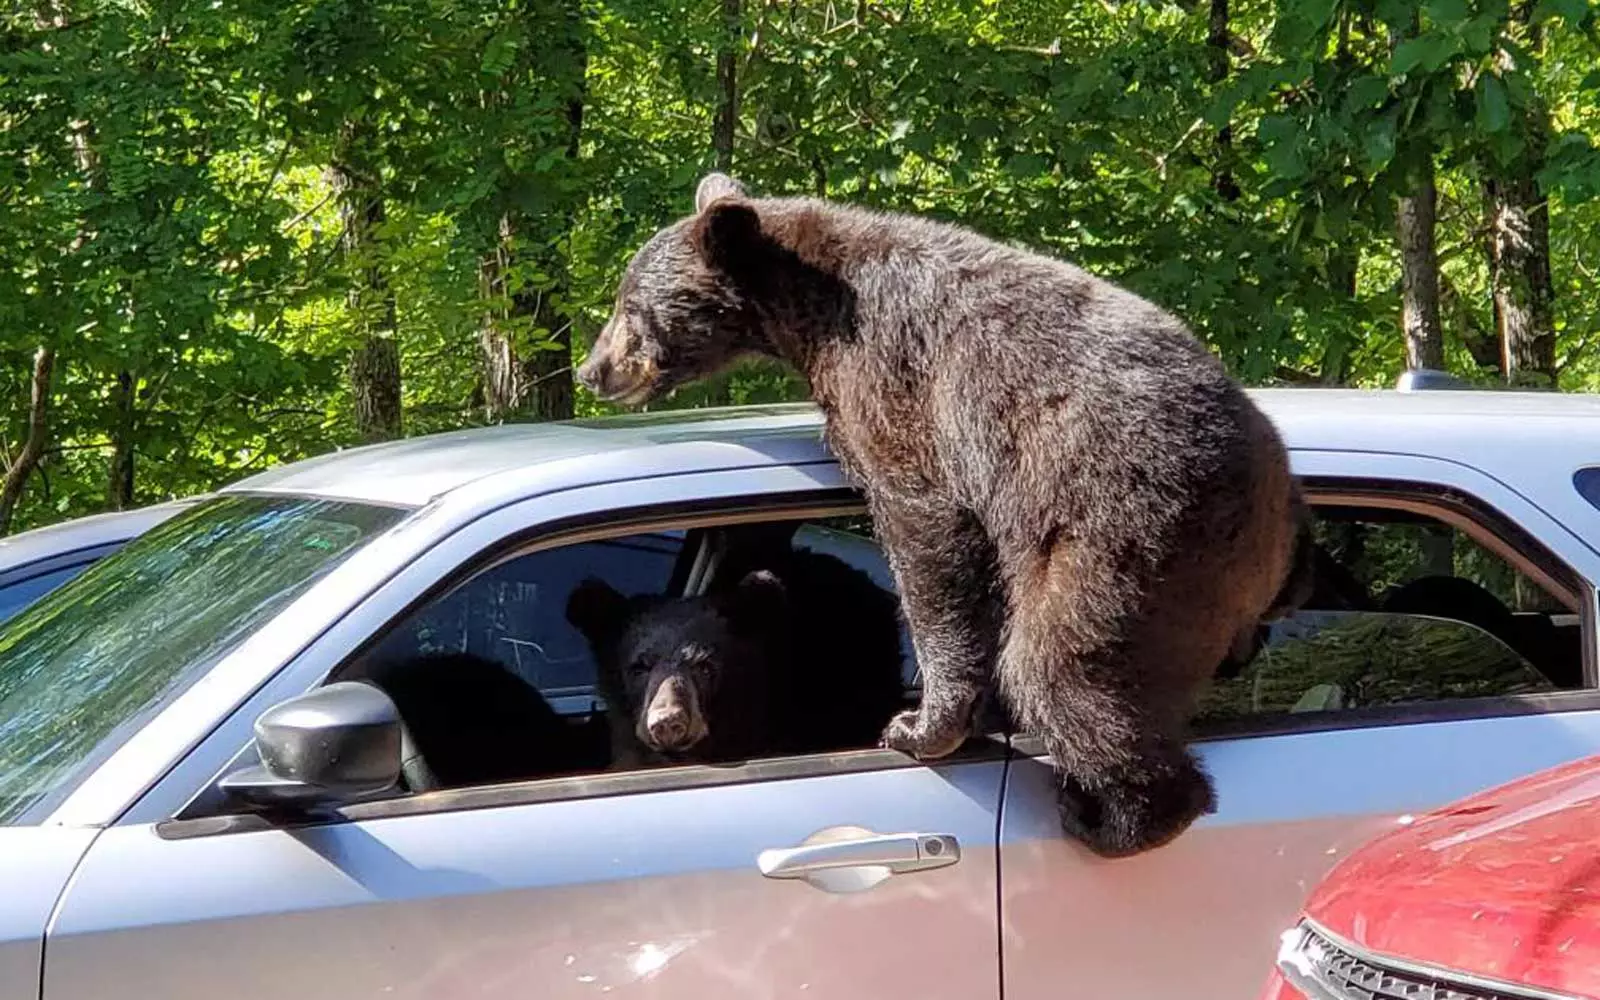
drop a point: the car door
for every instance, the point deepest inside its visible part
(1437, 706)
(635, 883)
(35, 864)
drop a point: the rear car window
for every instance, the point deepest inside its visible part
(1588, 483)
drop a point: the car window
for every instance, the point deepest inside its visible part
(853, 540)
(16, 596)
(1587, 482)
(515, 613)
(1406, 609)
(1327, 661)
(91, 661)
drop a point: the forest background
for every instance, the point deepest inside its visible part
(239, 232)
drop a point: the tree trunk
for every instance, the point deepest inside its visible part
(1519, 265)
(28, 459)
(548, 373)
(375, 362)
(727, 117)
(1519, 237)
(124, 421)
(1217, 44)
(538, 386)
(724, 126)
(1419, 273)
(502, 390)
(1438, 552)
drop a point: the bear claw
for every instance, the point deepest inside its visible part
(907, 734)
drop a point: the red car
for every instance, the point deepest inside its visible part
(1492, 898)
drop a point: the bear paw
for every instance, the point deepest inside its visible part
(908, 734)
(1122, 820)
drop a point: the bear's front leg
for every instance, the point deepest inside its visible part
(950, 594)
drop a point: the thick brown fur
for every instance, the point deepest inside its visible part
(1075, 497)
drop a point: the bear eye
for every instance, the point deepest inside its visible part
(639, 667)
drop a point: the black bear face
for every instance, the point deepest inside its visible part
(679, 314)
(692, 673)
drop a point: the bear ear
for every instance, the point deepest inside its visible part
(727, 233)
(596, 609)
(717, 185)
(758, 597)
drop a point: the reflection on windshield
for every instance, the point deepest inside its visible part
(89, 663)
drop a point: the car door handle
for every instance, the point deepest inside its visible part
(899, 853)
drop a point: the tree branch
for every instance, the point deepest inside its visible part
(38, 437)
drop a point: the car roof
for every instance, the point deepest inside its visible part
(1485, 428)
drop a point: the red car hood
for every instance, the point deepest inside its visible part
(1505, 885)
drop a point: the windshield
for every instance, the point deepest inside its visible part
(91, 662)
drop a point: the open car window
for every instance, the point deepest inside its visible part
(1335, 660)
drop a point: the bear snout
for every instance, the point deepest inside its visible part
(673, 721)
(618, 369)
(594, 373)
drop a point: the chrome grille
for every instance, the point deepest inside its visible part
(1325, 968)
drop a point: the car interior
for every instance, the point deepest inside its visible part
(1406, 609)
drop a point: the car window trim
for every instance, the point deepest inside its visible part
(644, 781)
(1470, 515)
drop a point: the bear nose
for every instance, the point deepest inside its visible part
(670, 718)
(593, 373)
(668, 727)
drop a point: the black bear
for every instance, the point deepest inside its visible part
(1078, 502)
(474, 722)
(797, 653)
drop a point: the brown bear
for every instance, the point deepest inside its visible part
(746, 670)
(1076, 499)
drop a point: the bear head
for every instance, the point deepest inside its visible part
(695, 674)
(682, 311)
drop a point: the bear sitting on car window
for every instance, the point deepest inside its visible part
(1084, 511)
(799, 654)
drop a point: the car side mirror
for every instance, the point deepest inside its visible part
(340, 742)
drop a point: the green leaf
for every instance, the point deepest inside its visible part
(1494, 108)
(1378, 142)
(1430, 52)
(1447, 12)
(1574, 12)
(1286, 160)
(1366, 92)
(1027, 165)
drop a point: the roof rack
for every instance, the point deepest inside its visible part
(1426, 379)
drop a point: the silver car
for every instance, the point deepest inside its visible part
(156, 842)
